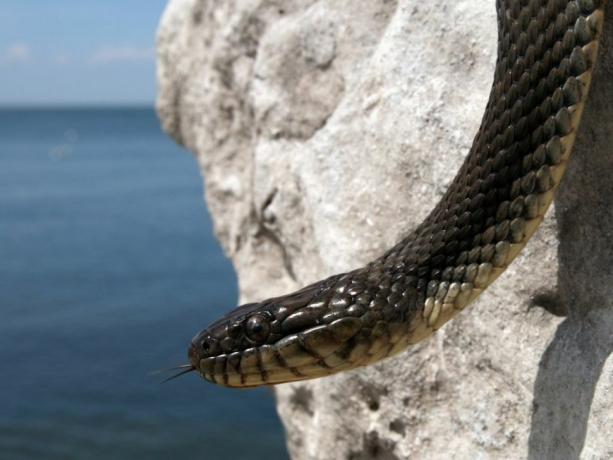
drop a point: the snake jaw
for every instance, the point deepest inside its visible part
(278, 340)
(314, 352)
(336, 325)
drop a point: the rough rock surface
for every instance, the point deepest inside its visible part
(326, 130)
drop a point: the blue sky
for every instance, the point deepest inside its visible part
(78, 52)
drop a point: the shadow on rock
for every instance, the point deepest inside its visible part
(571, 366)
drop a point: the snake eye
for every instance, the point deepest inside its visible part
(257, 328)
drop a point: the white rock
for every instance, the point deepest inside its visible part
(328, 129)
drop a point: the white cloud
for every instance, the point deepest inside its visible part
(109, 54)
(17, 52)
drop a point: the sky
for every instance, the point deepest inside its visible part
(78, 52)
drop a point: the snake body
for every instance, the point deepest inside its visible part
(546, 54)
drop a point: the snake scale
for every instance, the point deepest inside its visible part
(546, 55)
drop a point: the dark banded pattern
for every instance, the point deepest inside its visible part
(546, 54)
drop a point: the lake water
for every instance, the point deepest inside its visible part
(108, 266)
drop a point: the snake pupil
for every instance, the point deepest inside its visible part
(257, 328)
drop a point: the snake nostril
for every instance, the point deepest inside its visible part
(209, 345)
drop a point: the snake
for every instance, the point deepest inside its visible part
(547, 52)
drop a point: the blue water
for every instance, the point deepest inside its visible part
(108, 266)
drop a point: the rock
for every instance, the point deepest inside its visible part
(326, 130)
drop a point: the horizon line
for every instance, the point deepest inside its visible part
(78, 105)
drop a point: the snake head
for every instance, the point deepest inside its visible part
(307, 334)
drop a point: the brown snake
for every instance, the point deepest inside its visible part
(546, 55)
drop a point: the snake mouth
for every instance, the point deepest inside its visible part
(315, 352)
(320, 351)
